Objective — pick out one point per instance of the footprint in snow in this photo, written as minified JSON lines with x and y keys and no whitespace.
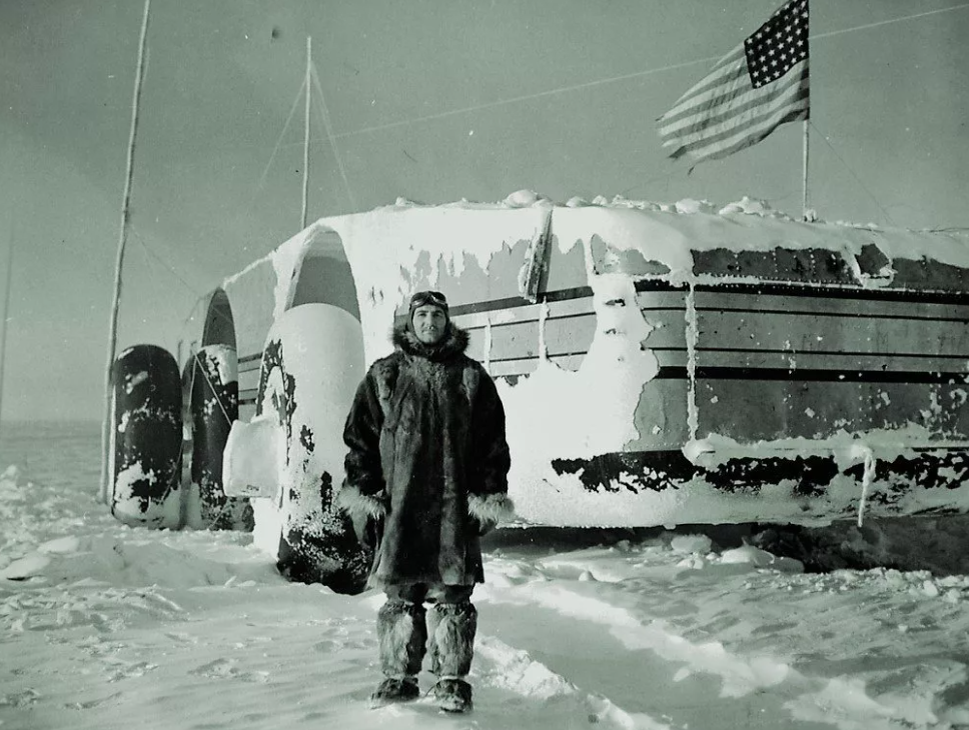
{"x":26,"y":698}
{"x":328,"y":646}
{"x":126,"y":670}
{"x":91,"y":704}
{"x":226,"y":669}
{"x":181,"y":637}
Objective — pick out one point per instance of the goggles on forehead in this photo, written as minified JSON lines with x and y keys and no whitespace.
{"x":423,"y":298}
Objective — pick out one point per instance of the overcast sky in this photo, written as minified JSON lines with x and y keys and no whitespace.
{"x":433,"y":100}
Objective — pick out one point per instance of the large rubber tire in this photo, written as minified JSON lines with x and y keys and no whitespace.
{"x":146,"y":442}
{"x":311,"y":366}
{"x":214,"y":405}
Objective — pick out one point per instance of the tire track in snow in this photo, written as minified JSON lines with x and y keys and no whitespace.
{"x":546,"y":694}
{"x":511,"y":690}
{"x":666,"y":675}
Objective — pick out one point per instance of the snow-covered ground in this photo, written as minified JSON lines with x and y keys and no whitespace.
{"x":104,"y":626}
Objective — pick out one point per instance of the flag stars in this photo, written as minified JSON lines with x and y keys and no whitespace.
{"x":778,"y":44}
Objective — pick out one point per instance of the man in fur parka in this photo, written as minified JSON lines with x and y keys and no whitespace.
{"x":426,"y":475}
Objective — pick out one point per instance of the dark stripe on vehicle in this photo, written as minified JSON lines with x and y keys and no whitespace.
{"x":488,"y":306}
{"x":843,"y":315}
{"x":248,"y":396}
{"x":802,"y":375}
{"x":774,"y":289}
{"x":798,"y":353}
{"x":529,"y":320}
{"x":837,"y":292}
{"x":819,"y":353}
{"x":649,"y":285}
{"x":535,"y":357}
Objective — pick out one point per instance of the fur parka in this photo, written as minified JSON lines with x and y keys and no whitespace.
{"x":427,"y":461}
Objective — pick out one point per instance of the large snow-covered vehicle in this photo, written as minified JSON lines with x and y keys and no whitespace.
{"x":659,"y":365}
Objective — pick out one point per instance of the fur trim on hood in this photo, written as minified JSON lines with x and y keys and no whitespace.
{"x":454,"y":342}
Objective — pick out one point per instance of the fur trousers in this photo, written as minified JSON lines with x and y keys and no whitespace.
{"x":405,"y":632}
{"x":452,"y":627}
{"x":402,"y":635}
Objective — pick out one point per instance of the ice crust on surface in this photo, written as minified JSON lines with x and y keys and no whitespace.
{"x":655,"y":630}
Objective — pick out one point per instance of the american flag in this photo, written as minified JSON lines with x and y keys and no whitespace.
{"x":759,"y":85}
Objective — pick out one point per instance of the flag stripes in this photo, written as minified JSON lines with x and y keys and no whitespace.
{"x":727,"y":110}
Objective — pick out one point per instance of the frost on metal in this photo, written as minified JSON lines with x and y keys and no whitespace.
{"x":308,"y":395}
{"x":145,"y":458}
{"x":214,"y":405}
{"x":133,"y":381}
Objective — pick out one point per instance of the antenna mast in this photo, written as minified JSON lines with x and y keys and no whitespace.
{"x":3,"y":316}
{"x":119,"y":263}
{"x":804,"y":201}
{"x":306,"y":133}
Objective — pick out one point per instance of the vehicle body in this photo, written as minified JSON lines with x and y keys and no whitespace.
{"x":659,"y":365}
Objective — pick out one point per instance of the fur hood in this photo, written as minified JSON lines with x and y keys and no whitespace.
{"x":453,"y":344}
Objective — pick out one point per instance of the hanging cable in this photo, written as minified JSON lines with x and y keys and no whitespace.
{"x":526,"y":97}
{"x":193,"y":290}
{"x":848,"y":168}
{"x":890,"y":21}
{"x":574,"y":87}
{"x":621,"y":77}
{"x":195,"y":355}
{"x":272,"y":156}
{"x":199,"y":365}
{"x":159,"y":261}
{"x":329,"y":133}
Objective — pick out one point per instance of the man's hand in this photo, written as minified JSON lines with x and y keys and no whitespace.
{"x":373,"y":533}
{"x":368,"y":529}
{"x":484,"y":526}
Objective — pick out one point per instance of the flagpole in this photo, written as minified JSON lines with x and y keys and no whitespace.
{"x":3,"y":316}
{"x":804,"y":206}
{"x":119,"y":261}
{"x":306,"y":133}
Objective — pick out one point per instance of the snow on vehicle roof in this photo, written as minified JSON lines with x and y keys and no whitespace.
{"x":387,"y":245}
{"x":670,"y":231}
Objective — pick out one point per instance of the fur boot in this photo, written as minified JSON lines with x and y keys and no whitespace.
{"x":453,"y":695}
{"x":452,"y":629}
{"x":402,"y":634}
{"x":394,"y":689}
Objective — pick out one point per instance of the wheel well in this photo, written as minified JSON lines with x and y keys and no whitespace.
{"x":219,"y":328}
{"x":324,"y":276}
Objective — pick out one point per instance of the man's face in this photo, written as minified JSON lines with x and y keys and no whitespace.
{"x":429,"y":323}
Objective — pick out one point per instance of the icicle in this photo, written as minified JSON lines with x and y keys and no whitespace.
{"x":487,"y":345}
{"x":542,"y":316}
{"x":692,"y":335}
{"x":866,"y":480}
